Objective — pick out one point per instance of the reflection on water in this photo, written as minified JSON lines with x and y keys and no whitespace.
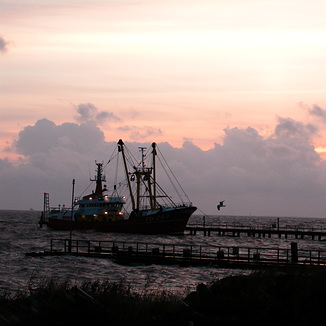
{"x":19,"y":233}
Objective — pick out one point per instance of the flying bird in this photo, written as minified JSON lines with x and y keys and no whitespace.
{"x":221,"y":204}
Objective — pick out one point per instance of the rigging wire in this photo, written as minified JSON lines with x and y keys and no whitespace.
{"x":175,"y":178}
{"x":113,"y":155}
{"x":169,"y":177}
{"x":130,"y":158}
{"x":207,"y":215}
{"x":116,"y":174}
{"x":134,"y":165}
{"x":86,"y":188}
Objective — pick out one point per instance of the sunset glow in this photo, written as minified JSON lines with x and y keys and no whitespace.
{"x":169,"y":71}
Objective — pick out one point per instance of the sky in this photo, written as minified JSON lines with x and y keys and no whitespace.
{"x":233,"y":90}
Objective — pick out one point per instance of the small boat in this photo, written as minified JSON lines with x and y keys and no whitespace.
{"x":152,"y":211}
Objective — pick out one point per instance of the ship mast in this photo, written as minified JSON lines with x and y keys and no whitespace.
{"x":121,"y":149}
{"x":99,"y":178}
{"x":143,"y":177}
{"x":154,"y":175}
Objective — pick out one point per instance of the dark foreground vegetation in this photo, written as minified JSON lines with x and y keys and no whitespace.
{"x":262,"y":298}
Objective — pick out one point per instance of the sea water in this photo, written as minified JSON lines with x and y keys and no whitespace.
{"x":20,"y":233}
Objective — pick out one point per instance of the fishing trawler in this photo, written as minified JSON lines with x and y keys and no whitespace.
{"x":152,"y":210}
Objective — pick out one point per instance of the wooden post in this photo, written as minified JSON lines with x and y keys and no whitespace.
{"x":294,"y":252}
{"x":72,"y":214}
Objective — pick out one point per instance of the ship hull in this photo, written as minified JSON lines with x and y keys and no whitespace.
{"x":171,"y":221}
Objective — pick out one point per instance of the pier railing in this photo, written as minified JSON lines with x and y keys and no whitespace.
{"x":257,"y":230}
{"x":192,"y":254}
{"x":257,"y":226}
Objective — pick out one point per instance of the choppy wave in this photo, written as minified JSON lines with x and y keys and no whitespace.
{"x":19,"y":233}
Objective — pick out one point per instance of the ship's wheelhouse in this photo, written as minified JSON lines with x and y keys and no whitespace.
{"x":99,"y":210}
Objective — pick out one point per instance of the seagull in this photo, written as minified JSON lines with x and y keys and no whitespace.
{"x":221,"y":204}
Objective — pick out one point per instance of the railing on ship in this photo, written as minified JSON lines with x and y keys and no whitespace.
{"x":184,"y":204}
{"x":114,"y":199}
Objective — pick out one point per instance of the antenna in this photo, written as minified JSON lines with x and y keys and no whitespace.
{"x":142,"y":150}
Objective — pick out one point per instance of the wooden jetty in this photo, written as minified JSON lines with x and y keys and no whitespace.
{"x":186,"y":255}
{"x":295,"y":232}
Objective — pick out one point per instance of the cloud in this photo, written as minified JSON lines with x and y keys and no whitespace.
{"x":45,"y":136}
{"x":89,"y":112}
{"x":318,"y":112}
{"x":86,"y":111}
{"x":54,"y":154}
{"x":290,"y":128}
{"x":3,"y":45}
{"x":280,"y":175}
{"x":140,"y":133}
